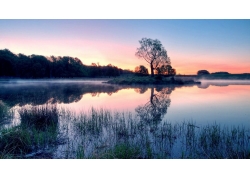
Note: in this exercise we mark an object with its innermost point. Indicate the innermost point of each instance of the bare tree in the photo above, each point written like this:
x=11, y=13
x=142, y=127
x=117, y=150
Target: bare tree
x=153, y=52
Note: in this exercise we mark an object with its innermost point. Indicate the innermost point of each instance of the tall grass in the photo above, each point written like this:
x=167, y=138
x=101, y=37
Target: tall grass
x=37, y=133
x=99, y=133
x=5, y=113
x=39, y=117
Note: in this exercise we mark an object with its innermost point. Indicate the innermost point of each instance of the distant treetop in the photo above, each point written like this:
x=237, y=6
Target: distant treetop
x=202, y=72
x=220, y=73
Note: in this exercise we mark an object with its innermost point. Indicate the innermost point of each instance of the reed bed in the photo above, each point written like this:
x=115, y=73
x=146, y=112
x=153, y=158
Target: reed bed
x=6, y=114
x=100, y=133
x=39, y=117
x=36, y=134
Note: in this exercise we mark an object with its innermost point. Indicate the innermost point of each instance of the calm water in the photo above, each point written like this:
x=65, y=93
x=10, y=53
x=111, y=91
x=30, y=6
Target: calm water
x=225, y=102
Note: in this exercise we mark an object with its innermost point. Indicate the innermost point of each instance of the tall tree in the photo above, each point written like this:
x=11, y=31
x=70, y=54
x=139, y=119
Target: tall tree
x=153, y=52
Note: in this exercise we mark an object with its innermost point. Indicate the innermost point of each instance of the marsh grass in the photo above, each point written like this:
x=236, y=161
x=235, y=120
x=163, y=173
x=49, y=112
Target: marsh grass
x=40, y=117
x=37, y=132
x=100, y=133
x=119, y=151
x=14, y=141
x=20, y=142
x=103, y=134
x=6, y=114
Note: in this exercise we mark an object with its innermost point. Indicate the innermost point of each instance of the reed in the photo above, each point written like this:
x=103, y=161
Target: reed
x=100, y=133
x=40, y=117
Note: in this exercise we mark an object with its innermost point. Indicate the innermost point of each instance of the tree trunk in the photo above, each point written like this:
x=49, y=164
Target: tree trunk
x=152, y=70
x=152, y=95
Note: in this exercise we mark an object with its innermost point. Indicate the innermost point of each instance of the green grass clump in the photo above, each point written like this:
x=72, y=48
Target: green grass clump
x=40, y=117
x=119, y=151
x=38, y=131
x=19, y=141
x=15, y=141
x=5, y=113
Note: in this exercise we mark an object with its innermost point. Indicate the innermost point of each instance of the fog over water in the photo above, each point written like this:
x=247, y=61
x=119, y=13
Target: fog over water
x=220, y=101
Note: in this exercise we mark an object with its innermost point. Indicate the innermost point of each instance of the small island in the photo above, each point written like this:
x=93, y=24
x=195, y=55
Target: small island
x=162, y=73
x=148, y=80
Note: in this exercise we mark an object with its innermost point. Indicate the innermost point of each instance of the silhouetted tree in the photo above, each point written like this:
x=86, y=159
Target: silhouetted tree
x=141, y=70
x=202, y=72
x=166, y=70
x=7, y=61
x=153, y=52
x=37, y=66
x=221, y=73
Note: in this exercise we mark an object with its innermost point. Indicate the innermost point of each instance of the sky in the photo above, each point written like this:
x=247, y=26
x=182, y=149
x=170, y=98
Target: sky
x=192, y=45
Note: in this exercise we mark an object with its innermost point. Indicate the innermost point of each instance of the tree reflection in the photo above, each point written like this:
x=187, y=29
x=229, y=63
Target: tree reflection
x=154, y=110
x=141, y=90
x=43, y=93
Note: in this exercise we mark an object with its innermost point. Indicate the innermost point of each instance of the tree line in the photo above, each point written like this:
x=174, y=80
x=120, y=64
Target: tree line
x=38, y=66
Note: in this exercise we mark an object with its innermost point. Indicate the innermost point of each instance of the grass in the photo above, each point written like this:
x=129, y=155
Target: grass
x=100, y=133
x=145, y=80
x=5, y=113
x=39, y=117
x=123, y=136
x=122, y=151
x=37, y=132
x=20, y=142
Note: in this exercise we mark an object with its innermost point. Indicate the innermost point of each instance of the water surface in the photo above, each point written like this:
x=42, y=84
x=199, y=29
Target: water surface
x=224, y=102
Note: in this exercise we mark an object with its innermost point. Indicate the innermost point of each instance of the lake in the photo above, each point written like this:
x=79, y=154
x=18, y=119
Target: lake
x=210, y=120
x=226, y=102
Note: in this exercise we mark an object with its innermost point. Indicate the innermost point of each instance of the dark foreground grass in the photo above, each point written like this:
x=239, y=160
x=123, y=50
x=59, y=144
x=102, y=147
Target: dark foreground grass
x=104, y=134
x=37, y=133
x=5, y=113
x=39, y=117
x=20, y=142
